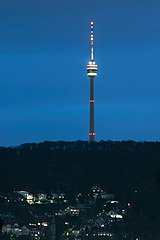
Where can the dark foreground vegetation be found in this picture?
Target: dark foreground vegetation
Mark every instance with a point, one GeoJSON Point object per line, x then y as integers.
{"type": "Point", "coordinates": [130, 170]}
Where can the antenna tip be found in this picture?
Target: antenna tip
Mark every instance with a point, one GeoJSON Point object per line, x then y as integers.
{"type": "Point", "coordinates": [92, 22]}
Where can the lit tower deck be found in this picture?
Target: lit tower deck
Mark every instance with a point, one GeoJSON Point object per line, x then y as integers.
{"type": "Point", "coordinates": [92, 73]}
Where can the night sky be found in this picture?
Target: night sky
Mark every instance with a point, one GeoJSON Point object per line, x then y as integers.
{"type": "Point", "coordinates": [44, 89]}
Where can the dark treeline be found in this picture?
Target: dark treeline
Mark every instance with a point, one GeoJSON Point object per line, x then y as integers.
{"type": "Point", "coordinates": [128, 169]}
{"type": "Point", "coordinates": [122, 167]}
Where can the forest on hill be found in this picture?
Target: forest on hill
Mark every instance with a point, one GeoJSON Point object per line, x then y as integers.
{"type": "Point", "coordinates": [123, 168]}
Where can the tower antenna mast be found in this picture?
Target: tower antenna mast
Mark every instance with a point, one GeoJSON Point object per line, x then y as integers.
{"type": "Point", "coordinates": [92, 43]}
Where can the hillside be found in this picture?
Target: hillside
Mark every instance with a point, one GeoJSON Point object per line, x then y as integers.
{"type": "Point", "coordinates": [121, 167]}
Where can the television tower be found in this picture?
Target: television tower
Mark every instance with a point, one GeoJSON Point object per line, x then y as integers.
{"type": "Point", "coordinates": [92, 73]}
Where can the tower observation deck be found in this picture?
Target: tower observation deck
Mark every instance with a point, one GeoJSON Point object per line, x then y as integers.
{"type": "Point", "coordinates": [92, 73]}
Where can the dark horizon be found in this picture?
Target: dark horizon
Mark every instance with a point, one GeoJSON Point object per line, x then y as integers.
{"type": "Point", "coordinates": [78, 140]}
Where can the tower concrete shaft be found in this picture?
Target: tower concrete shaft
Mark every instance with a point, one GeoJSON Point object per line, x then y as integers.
{"type": "Point", "coordinates": [92, 73]}
{"type": "Point", "coordinates": [92, 131]}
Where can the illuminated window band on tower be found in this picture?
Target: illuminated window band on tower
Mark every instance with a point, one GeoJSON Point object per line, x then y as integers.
{"type": "Point", "coordinates": [92, 73]}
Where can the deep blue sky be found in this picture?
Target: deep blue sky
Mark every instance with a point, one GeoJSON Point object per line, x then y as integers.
{"type": "Point", "coordinates": [44, 90]}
